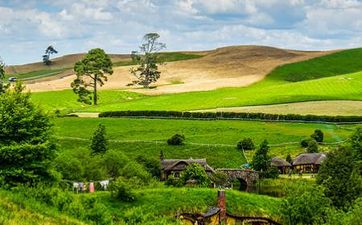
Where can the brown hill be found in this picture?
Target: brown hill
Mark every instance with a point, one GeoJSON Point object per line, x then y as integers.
{"type": "Point", "coordinates": [223, 67]}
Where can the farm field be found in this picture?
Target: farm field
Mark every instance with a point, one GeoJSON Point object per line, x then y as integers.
{"type": "Point", "coordinates": [213, 140]}
{"type": "Point", "coordinates": [330, 108]}
{"type": "Point", "coordinates": [342, 87]}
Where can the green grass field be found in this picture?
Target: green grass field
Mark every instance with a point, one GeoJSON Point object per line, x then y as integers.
{"type": "Point", "coordinates": [338, 63]}
{"type": "Point", "coordinates": [213, 140]}
{"type": "Point", "coordinates": [36, 74]}
{"type": "Point", "coordinates": [343, 87]}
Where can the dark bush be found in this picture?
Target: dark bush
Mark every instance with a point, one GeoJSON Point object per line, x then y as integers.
{"type": "Point", "coordinates": [152, 166]}
{"type": "Point", "coordinates": [304, 142]}
{"type": "Point", "coordinates": [246, 144]}
{"type": "Point", "coordinates": [312, 146]}
{"type": "Point", "coordinates": [318, 136]}
{"type": "Point", "coordinates": [176, 139]}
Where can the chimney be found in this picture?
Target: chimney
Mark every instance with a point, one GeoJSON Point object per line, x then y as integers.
{"type": "Point", "coordinates": [221, 204]}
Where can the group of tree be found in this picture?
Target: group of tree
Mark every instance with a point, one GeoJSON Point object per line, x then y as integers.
{"type": "Point", "coordinates": [93, 70]}
{"type": "Point", "coordinates": [336, 197]}
{"type": "Point", "coordinates": [311, 144]}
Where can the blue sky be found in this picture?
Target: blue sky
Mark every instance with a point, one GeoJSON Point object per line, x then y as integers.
{"type": "Point", "coordinates": [27, 27]}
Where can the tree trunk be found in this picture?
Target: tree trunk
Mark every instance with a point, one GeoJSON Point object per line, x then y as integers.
{"type": "Point", "coordinates": [95, 91]}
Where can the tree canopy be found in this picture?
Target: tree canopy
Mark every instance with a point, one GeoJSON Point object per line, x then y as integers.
{"type": "Point", "coordinates": [99, 143]}
{"type": "Point", "coordinates": [147, 58]}
{"type": "Point", "coordinates": [49, 51]}
{"type": "Point", "coordinates": [26, 149]}
{"type": "Point", "coordinates": [91, 71]}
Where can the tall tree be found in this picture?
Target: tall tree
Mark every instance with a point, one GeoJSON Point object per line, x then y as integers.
{"type": "Point", "coordinates": [262, 162]}
{"type": "Point", "coordinates": [50, 50]}
{"type": "Point", "coordinates": [356, 142]}
{"type": "Point", "coordinates": [147, 58]}
{"type": "Point", "coordinates": [91, 71]}
{"type": "Point", "coordinates": [26, 149]}
{"type": "Point", "coordinates": [99, 143]}
{"type": "Point", "coordinates": [2, 75]}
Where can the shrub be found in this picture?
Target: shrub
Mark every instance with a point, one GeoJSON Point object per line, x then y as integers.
{"type": "Point", "coordinates": [289, 159]}
{"type": "Point", "coordinates": [318, 136]}
{"type": "Point", "coordinates": [152, 166]}
{"type": "Point", "coordinates": [114, 162]}
{"type": "Point", "coordinates": [312, 146]}
{"type": "Point", "coordinates": [133, 169]}
{"type": "Point", "coordinates": [120, 190]}
{"type": "Point", "coordinates": [195, 172]}
{"type": "Point", "coordinates": [70, 167]}
{"type": "Point", "coordinates": [246, 144]}
{"type": "Point", "coordinates": [304, 142]}
{"type": "Point", "coordinates": [176, 139]}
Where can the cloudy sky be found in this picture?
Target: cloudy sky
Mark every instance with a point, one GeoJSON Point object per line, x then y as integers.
{"type": "Point", "coordinates": [27, 27]}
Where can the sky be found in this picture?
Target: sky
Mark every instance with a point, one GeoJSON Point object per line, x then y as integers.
{"type": "Point", "coordinates": [27, 27]}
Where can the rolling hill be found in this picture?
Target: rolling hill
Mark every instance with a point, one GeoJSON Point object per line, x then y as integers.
{"type": "Point", "coordinates": [224, 67]}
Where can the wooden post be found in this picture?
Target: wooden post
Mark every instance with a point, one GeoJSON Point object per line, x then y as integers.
{"type": "Point", "coordinates": [221, 203]}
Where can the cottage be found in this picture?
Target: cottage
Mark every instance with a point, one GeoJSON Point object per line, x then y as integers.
{"type": "Point", "coordinates": [282, 165]}
{"type": "Point", "coordinates": [308, 162]}
{"type": "Point", "coordinates": [176, 166]}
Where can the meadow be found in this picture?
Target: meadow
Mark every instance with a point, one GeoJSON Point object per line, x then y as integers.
{"type": "Point", "coordinates": [214, 140]}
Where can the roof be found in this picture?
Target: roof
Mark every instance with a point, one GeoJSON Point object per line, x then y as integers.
{"type": "Point", "coordinates": [309, 158]}
{"type": "Point", "coordinates": [278, 162]}
{"type": "Point", "coordinates": [169, 164]}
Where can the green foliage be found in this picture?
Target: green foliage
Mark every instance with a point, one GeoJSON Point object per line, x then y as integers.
{"type": "Point", "coordinates": [261, 159]}
{"type": "Point", "coordinates": [318, 136]}
{"type": "Point", "coordinates": [304, 143]}
{"type": "Point", "coordinates": [312, 146]}
{"type": "Point", "coordinates": [20, 120]}
{"type": "Point", "coordinates": [356, 142]}
{"type": "Point", "coordinates": [305, 204]}
{"type": "Point", "coordinates": [330, 65]}
{"type": "Point", "coordinates": [340, 176]}
{"type": "Point", "coordinates": [246, 144]}
{"type": "Point", "coordinates": [114, 162]}
{"type": "Point", "coordinates": [46, 57]}
{"type": "Point", "coordinates": [99, 143]}
{"type": "Point", "coordinates": [219, 179]}
{"type": "Point", "coordinates": [195, 172]}
{"type": "Point", "coordinates": [95, 65]}
{"type": "Point", "coordinates": [152, 166]}
{"type": "Point", "coordinates": [2, 75]}
{"type": "Point", "coordinates": [120, 190]}
{"type": "Point", "coordinates": [147, 59]}
{"type": "Point", "coordinates": [289, 159]}
{"type": "Point", "coordinates": [135, 170]}
{"type": "Point", "coordinates": [70, 167]}
{"type": "Point", "coordinates": [177, 139]}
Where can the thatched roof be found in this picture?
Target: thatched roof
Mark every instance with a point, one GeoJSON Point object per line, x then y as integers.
{"type": "Point", "coordinates": [170, 164]}
{"type": "Point", "coordinates": [309, 158]}
{"type": "Point", "coordinates": [278, 162]}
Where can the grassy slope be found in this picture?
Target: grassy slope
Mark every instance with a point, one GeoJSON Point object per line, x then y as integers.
{"type": "Point", "coordinates": [213, 140]}
{"type": "Point", "coordinates": [161, 204]}
{"type": "Point", "coordinates": [343, 87]}
{"type": "Point", "coordinates": [338, 63]}
{"type": "Point", "coordinates": [15, 210]}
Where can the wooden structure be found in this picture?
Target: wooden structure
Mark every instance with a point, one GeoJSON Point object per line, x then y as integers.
{"type": "Point", "coordinates": [308, 162]}
{"type": "Point", "coordinates": [176, 166]}
{"type": "Point", "coordinates": [283, 166]}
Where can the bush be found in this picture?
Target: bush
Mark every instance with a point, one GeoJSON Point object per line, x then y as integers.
{"type": "Point", "coordinates": [312, 146]}
{"type": "Point", "coordinates": [114, 161]}
{"type": "Point", "coordinates": [70, 167]}
{"type": "Point", "coordinates": [152, 166]}
{"type": "Point", "coordinates": [246, 144]}
{"type": "Point", "coordinates": [318, 136]}
{"type": "Point", "coordinates": [176, 139]}
{"type": "Point", "coordinates": [133, 169]}
{"type": "Point", "coordinates": [304, 142]}
{"type": "Point", "coordinates": [195, 172]}
{"type": "Point", "coordinates": [120, 190]}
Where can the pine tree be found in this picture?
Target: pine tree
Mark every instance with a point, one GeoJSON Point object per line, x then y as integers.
{"type": "Point", "coordinates": [261, 159]}
{"type": "Point", "coordinates": [99, 143]}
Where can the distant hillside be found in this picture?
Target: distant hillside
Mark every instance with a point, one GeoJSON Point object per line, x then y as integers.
{"type": "Point", "coordinates": [233, 66]}
{"type": "Point", "coordinates": [342, 62]}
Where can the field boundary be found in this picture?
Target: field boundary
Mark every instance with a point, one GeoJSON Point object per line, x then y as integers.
{"type": "Point", "coordinates": [233, 116]}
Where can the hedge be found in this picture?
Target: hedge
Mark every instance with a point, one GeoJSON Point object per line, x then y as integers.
{"type": "Point", "coordinates": [233, 115]}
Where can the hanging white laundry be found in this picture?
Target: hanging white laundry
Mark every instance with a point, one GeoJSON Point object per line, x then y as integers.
{"type": "Point", "coordinates": [104, 184]}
